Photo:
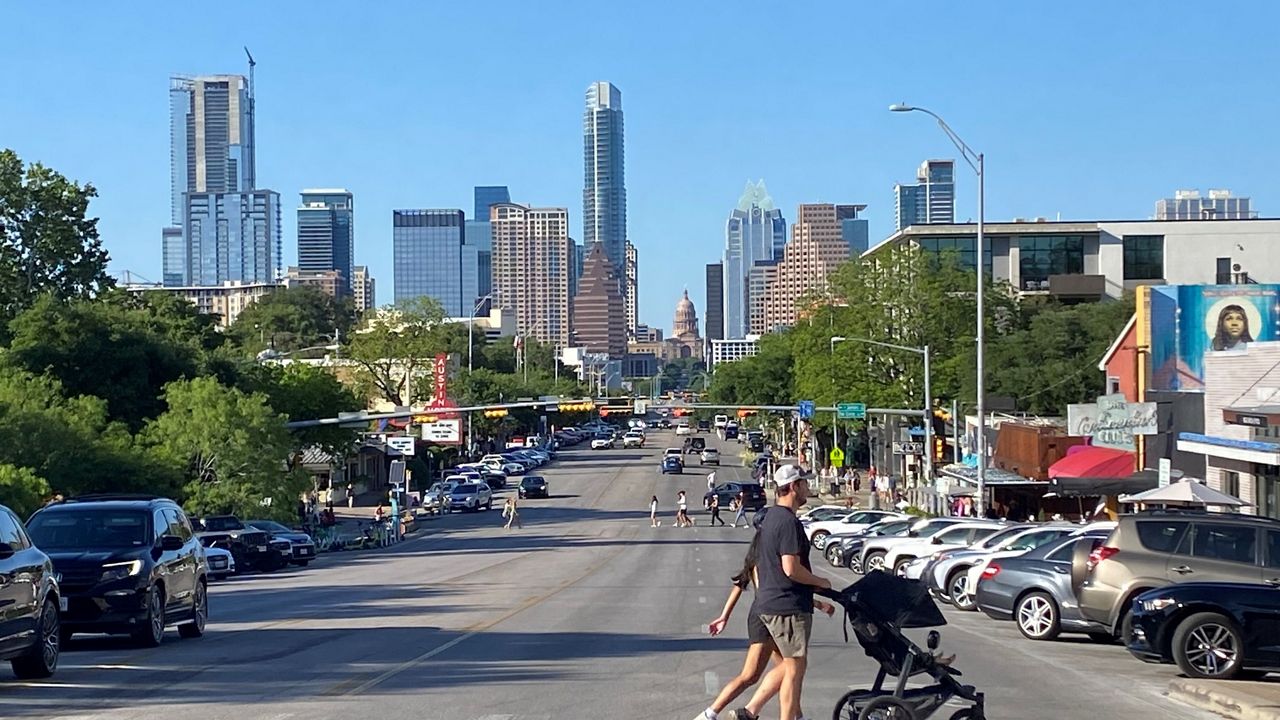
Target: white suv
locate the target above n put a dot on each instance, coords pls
(633, 440)
(957, 536)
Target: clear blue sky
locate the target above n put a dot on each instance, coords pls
(1088, 109)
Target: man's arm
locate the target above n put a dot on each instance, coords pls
(796, 570)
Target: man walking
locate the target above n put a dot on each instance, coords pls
(715, 510)
(784, 598)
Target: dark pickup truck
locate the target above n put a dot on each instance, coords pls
(252, 548)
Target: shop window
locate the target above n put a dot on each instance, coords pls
(1231, 483)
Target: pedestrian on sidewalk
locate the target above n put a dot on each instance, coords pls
(715, 511)
(857, 481)
(512, 514)
(351, 496)
(740, 505)
(653, 512)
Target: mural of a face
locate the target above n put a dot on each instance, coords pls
(1233, 328)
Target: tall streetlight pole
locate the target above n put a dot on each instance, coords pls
(835, 401)
(975, 160)
(471, 322)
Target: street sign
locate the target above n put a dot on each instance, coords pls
(908, 448)
(837, 457)
(443, 432)
(400, 444)
(1166, 469)
(806, 409)
(851, 411)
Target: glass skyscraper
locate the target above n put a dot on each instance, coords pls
(430, 259)
(604, 189)
(931, 200)
(754, 232)
(487, 196)
(326, 233)
(479, 237)
(233, 236)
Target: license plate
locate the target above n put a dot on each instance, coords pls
(262, 548)
(305, 551)
(62, 604)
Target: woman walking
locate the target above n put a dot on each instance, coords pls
(653, 512)
(682, 511)
(715, 510)
(512, 514)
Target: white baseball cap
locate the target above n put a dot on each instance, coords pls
(788, 474)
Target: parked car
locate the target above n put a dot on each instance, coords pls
(1212, 630)
(875, 550)
(436, 499)
(30, 632)
(851, 521)
(709, 456)
(846, 550)
(128, 565)
(672, 464)
(953, 565)
(1034, 590)
(533, 486)
(601, 443)
(222, 564)
(302, 549)
(753, 494)
(471, 497)
(507, 469)
(1018, 546)
(959, 535)
(1150, 550)
(633, 440)
(251, 546)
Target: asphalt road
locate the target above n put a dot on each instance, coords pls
(586, 612)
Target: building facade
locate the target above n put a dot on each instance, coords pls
(715, 301)
(532, 258)
(427, 256)
(820, 242)
(685, 340)
(329, 282)
(486, 196)
(1219, 205)
(326, 234)
(225, 301)
(631, 290)
(754, 232)
(763, 276)
(604, 191)
(931, 200)
(599, 310)
(479, 235)
(1090, 260)
(723, 351)
(233, 237)
(363, 289)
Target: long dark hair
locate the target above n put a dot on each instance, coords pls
(744, 576)
(1223, 341)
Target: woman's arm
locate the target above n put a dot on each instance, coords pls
(717, 625)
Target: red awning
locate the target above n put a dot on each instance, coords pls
(1094, 462)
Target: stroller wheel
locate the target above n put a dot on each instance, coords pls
(887, 707)
(968, 714)
(852, 704)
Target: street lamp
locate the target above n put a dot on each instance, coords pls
(975, 160)
(928, 392)
(471, 322)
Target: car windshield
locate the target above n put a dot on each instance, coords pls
(533, 481)
(269, 526)
(466, 489)
(893, 528)
(90, 530)
(933, 529)
(218, 524)
(1000, 537)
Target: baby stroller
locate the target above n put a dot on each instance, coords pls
(877, 607)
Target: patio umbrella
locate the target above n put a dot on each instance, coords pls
(1187, 492)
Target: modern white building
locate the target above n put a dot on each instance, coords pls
(1084, 260)
(499, 323)
(723, 351)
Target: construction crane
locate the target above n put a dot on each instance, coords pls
(253, 138)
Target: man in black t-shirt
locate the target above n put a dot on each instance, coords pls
(784, 598)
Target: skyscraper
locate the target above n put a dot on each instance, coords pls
(1189, 205)
(715, 301)
(222, 226)
(363, 288)
(427, 259)
(820, 242)
(532, 258)
(754, 232)
(598, 308)
(631, 290)
(326, 235)
(486, 196)
(479, 234)
(604, 192)
(932, 199)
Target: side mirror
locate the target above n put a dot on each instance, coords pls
(170, 543)
(936, 540)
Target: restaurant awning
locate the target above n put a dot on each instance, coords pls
(1094, 462)
(1097, 487)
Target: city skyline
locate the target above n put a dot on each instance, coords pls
(690, 142)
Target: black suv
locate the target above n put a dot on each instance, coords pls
(29, 637)
(252, 548)
(126, 565)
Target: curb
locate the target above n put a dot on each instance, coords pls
(1229, 698)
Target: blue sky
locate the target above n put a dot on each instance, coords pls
(1084, 109)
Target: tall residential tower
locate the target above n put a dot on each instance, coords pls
(932, 199)
(604, 189)
(532, 258)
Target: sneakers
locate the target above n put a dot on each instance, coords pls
(741, 714)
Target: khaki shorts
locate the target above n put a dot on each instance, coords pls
(790, 633)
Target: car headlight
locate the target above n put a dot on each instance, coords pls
(1157, 604)
(120, 570)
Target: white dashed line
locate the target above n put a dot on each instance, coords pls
(712, 682)
(702, 599)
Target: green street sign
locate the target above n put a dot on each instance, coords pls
(851, 411)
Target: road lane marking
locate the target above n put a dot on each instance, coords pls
(702, 599)
(712, 683)
(701, 582)
(496, 717)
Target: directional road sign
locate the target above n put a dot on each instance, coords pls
(851, 411)
(908, 448)
(806, 409)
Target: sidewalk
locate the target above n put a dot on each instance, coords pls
(1230, 698)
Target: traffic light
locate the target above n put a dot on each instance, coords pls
(577, 407)
(938, 446)
(496, 413)
(746, 413)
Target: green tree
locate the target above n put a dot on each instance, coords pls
(767, 378)
(232, 449)
(47, 243)
(395, 347)
(291, 319)
(303, 392)
(23, 491)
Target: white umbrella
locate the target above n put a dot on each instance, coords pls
(1188, 492)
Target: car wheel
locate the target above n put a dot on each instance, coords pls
(1208, 645)
(42, 659)
(818, 534)
(151, 634)
(958, 589)
(900, 567)
(874, 561)
(851, 561)
(1037, 616)
(830, 554)
(199, 614)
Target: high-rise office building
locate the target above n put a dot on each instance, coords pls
(363, 289)
(754, 232)
(480, 235)
(715, 302)
(631, 290)
(932, 199)
(532, 267)
(820, 242)
(326, 234)
(486, 196)
(232, 237)
(604, 192)
(575, 267)
(598, 308)
(211, 152)
(1189, 205)
(427, 250)
(762, 276)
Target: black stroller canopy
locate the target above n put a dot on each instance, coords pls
(888, 598)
